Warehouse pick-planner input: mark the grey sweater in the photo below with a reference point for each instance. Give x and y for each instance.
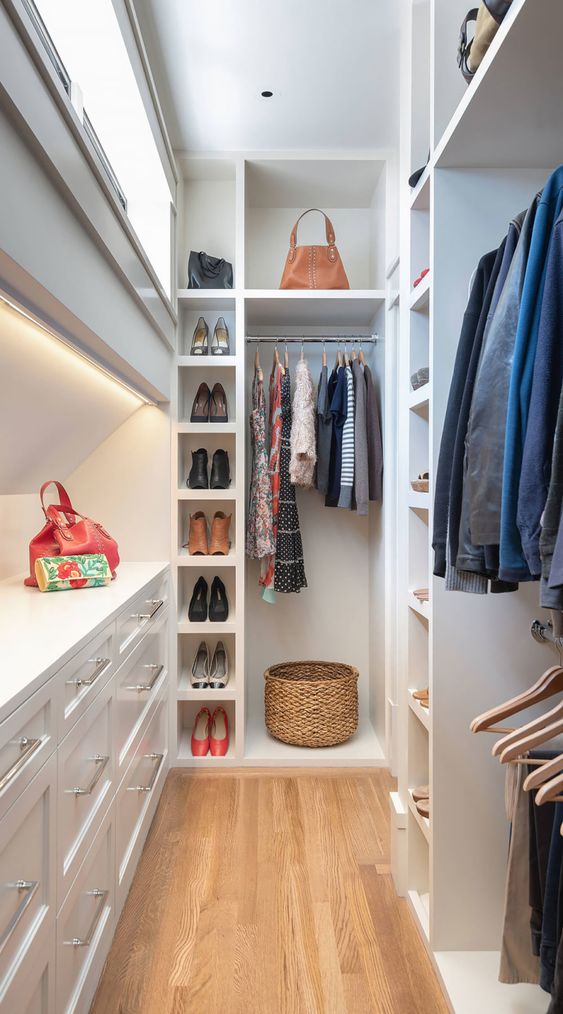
(361, 475)
(552, 597)
(375, 446)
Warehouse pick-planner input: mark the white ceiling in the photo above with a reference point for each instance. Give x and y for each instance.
(333, 68)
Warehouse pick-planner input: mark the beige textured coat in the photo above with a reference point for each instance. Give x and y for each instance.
(303, 438)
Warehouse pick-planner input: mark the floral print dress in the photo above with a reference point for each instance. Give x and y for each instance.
(260, 540)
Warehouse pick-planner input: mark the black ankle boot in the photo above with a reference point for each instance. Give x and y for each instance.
(220, 471)
(218, 605)
(197, 611)
(197, 479)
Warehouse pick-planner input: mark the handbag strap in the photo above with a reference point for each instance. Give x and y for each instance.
(329, 230)
(64, 505)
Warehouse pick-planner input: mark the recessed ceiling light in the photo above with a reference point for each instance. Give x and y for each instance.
(266, 94)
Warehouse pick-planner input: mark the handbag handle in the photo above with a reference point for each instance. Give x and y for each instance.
(329, 230)
(65, 504)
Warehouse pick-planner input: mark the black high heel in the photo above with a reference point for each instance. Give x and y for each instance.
(218, 604)
(197, 611)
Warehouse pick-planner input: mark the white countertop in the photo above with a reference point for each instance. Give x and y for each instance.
(40, 631)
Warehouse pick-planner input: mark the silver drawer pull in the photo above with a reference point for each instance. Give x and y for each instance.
(27, 746)
(100, 761)
(28, 889)
(147, 788)
(155, 603)
(101, 665)
(148, 686)
(87, 940)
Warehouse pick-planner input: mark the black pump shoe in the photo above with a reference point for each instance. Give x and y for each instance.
(218, 605)
(197, 612)
(197, 479)
(220, 471)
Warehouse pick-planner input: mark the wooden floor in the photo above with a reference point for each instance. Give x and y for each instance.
(260, 893)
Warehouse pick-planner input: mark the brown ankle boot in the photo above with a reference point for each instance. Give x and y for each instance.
(220, 542)
(197, 539)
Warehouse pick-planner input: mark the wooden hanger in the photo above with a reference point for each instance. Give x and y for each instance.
(324, 353)
(277, 360)
(548, 770)
(533, 739)
(286, 358)
(257, 366)
(354, 352)
(550, 792)
(549, 683)
(346, 356)
(362, 356)
(516, 735)
(302, 350)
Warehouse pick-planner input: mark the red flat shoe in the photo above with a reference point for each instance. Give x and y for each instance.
(200, 733)
(219, 737)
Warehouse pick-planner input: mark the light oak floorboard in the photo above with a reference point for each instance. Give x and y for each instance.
(268, 892)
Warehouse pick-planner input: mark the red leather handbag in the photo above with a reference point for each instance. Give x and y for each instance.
(68, 533)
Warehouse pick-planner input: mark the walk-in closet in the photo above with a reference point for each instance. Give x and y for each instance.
(281, 577)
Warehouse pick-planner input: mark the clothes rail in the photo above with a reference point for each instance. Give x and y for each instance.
(316, 338)
(550, 632)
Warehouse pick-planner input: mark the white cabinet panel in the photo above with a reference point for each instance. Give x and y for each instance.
(86, 922)
(27, 737)
(84, 676)
(85, 780)
(31, 987)
(137, 684)
(27, 869)
(137, 798)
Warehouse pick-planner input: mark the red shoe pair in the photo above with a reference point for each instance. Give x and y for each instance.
(422, 275)
(210, 733)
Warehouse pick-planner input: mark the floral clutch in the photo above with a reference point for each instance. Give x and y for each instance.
(63, 573)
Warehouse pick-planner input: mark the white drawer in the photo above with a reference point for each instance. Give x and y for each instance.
(27, 737)
(27, 869)
(142, 611)
(138, 796)
(85, 780)
(83, 677)
(137, 684)
(31, 989)
(86, 923)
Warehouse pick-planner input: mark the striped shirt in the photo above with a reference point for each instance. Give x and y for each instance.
(347, 472)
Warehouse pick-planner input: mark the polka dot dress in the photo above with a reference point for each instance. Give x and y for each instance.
(289, 575)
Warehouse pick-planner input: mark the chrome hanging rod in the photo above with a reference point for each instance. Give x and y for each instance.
(342, 339)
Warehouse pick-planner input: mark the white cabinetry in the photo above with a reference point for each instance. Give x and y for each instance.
(82, 765)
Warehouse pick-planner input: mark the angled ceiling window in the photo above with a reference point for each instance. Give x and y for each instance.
(85, 43)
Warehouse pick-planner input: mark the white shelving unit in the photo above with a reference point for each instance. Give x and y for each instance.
(244, 210)
(488, 157)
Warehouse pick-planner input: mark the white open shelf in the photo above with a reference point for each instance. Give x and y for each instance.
(423, 822)
(420, 195)
(291, 308)
(419, 299)
(420, 907)
(206, 428)
(423, 714)
(209, 361)
(184, 559)
(419, 501)
(363, 748)
(422, 608)
(471, 981)
(419, 399)
(207, 494)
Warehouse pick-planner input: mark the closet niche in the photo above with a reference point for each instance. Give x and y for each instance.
(340, 616)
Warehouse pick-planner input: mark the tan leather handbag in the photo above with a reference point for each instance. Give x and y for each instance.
(314, 267)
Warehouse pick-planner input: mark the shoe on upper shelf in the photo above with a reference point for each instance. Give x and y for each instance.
(220, 543)
(201, 405)
(218, 405)
(200, 346)
(197, 479)
(219, 734)
(200, 668)
(220, 340)
(218, 603)
(423, 807)
(201, 732)
(197, 610)
(197, 538)
(220, 471)
(219, 668)
(422, 792)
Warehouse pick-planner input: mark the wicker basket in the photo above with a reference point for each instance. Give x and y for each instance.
(311, 703)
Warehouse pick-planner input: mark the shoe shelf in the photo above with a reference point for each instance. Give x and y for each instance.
(207, 429)
(421, 608)
(207, 628)
(207, 562)
(419, 501)
(423, 822)
(423, 714)
(419, 300)
(419, 399)
(206, 362)
(206, 494)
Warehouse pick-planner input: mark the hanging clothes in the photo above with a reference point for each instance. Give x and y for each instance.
(275, 427)
(324, 429)
(260, 540)
(303, 433)
(289, 569)
(374, 441)
(518, 963)
(347, 467)
(338, 408)
(361, 473)
(513, 565)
